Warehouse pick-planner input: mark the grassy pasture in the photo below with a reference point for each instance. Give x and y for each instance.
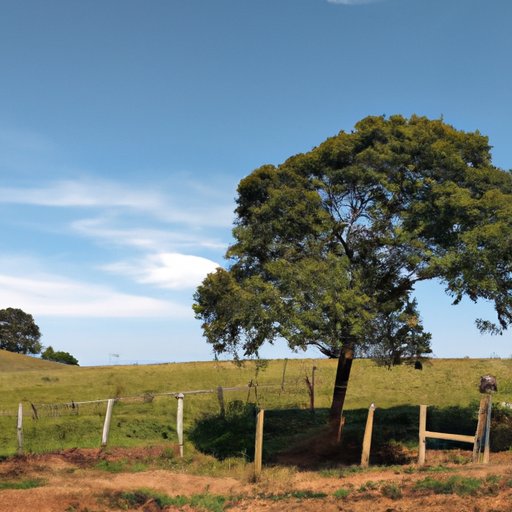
(442, 383)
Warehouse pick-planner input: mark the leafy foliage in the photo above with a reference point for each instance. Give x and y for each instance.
(59, 357)
(329, 245)
(18, 332)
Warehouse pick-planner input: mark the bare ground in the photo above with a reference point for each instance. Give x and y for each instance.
(71, 482)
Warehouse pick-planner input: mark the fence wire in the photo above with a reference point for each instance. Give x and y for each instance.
(150, 417)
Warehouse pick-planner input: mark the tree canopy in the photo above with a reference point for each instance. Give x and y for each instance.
(18, 332)
(329, 244)
(59, 356)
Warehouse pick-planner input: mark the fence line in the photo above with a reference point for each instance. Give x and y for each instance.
(54, 408)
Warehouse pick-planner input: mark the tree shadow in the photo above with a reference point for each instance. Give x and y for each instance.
(304, 439)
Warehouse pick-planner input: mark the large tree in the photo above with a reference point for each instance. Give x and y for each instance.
(329, 244)
(18, 332)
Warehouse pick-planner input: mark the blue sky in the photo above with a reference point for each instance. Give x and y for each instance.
(126, 125)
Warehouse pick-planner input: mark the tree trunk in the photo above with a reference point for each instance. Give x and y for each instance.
(341, 383)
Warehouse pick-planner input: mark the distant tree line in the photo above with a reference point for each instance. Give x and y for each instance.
(19, 333)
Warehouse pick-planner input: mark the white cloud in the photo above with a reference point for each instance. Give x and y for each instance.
(188, 207)
(166, 270)
(144, 238)
(166, 231)
(50, 295)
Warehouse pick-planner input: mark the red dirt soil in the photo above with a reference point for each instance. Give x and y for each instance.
(72, 483)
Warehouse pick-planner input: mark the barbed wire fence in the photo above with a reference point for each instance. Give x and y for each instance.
(151, 416)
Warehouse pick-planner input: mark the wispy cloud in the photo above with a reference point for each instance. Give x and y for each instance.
(182, 208)
(166, 270)
(51, 295)
(105, 228)
(168, 231)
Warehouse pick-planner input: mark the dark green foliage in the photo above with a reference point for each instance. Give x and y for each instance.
(18, 332)
(501, 428)
(398, 337)
(59, 357)
(229, 435)
(329, 245)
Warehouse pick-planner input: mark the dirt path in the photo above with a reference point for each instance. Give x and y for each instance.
(69, 482)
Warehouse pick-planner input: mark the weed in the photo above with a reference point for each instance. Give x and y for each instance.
(435, 469)
(111, 466)
(370, 485)
(299, 495)
(463, 486)
(391, 491)
(120, 466)
(331, 473)
(341, 493)
(46, 378)
(23, 484)
(492, 484)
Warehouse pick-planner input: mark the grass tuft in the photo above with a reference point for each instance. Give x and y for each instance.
(23, 484)
(391, 491)
(460, 485)
(341, 493)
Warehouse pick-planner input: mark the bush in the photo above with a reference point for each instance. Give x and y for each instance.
(59, 357)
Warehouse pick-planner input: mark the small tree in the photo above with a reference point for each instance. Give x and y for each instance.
(18, 332)
(59, 357)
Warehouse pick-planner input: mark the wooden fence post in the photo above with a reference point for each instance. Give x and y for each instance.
(179, 421)
(20, 428)
(220, 396)
(106, 425)
(258, 446)
(367, 440)
(422, 439)
(284, 373)
(480, 429)
(487, 445)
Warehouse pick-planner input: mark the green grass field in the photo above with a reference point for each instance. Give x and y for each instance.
(446, 384)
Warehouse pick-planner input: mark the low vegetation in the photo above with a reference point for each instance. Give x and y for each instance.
(53, 394)
(143, 497)
(22, 484)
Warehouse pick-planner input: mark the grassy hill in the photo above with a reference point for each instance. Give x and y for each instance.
(451, 384)
(442, 382)
(12, 362)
